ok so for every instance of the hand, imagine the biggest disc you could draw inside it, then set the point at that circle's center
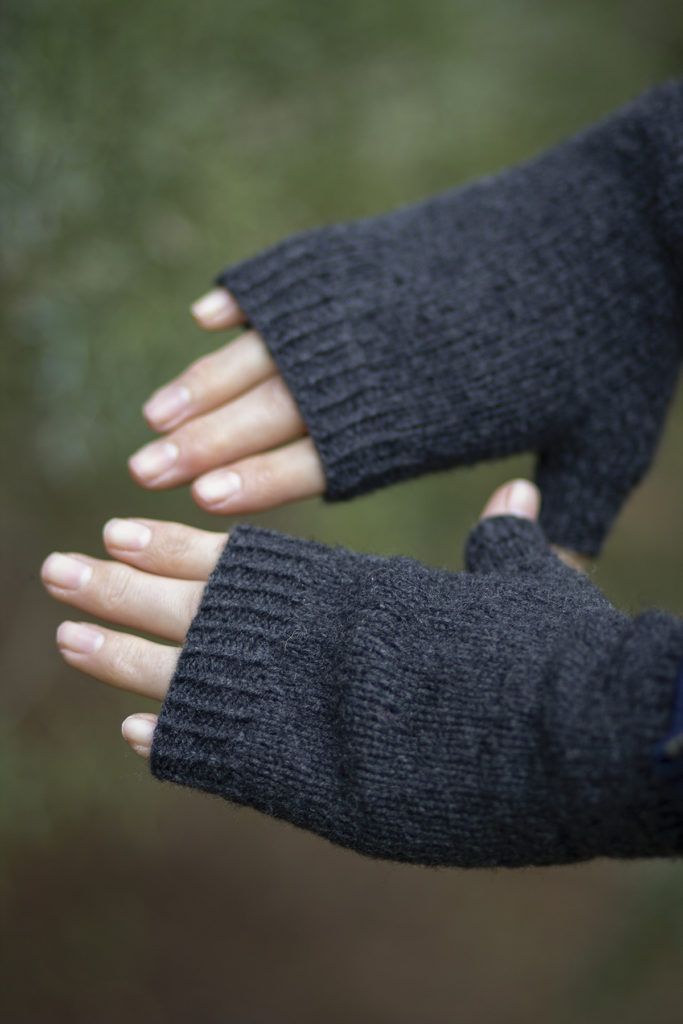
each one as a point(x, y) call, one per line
point(155, 584)
point(231, 426)
point(535, 310)
point(231, 404)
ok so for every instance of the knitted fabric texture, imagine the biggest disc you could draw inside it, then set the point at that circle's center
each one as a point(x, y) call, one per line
point(501, 716)
point(536, 310)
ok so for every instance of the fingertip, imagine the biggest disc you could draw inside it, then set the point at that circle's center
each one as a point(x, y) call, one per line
point(216, 310)
point(167, 407)
point(126, 535)
point(215, 490)
point(138, 732)
point(132, 471)
point(515, 498)
point(78, 638)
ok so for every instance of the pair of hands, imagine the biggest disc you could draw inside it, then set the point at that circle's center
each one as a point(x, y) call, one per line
point(232, 429)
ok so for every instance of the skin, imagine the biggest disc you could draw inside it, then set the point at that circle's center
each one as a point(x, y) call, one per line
point(153, 582)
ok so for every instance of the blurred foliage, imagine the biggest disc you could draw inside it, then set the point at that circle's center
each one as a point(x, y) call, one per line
point(144, 145)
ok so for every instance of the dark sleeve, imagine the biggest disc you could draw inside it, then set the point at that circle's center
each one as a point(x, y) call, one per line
point(494, 717)
point(536, 310)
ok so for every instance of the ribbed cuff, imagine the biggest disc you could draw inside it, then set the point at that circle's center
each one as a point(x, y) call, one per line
point(306, 298)
point(242, 716)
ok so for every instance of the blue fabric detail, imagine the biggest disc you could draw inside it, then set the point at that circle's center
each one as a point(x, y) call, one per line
point(669, 751)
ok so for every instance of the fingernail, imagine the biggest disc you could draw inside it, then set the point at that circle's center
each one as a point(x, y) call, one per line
point(65, 571)
point(167, 404)
point(522, 499)
point(81, 639)
point(154, 459)
point(217, 302)
point(218, 486)
point(127, 534)
point(138, 731)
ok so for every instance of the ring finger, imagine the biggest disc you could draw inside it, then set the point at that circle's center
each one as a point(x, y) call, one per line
point(124, 595)
point(291, 473)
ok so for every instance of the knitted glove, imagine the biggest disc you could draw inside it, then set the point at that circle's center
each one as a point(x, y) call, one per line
point(500, 716)
point(537, 310)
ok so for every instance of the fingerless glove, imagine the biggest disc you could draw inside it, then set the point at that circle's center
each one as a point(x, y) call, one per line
point(536, 310)
point(506, 715)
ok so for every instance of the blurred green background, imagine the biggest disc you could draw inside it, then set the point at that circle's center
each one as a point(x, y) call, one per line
point(145, 144)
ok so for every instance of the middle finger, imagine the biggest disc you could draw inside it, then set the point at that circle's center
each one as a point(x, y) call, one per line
point(210, 381)
point(119, 593)
point(261, 419)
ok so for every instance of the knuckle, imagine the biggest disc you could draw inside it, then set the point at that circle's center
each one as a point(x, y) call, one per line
point(278, 398)
point(125, 660)
point(192, 443)
point(250, 345)
point(116, 587)
point(265, 481)
point(198, 370)
point(172, 544)
point(191, 601)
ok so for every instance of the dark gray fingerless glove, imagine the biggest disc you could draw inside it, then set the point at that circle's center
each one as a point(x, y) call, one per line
point(502, 716)
point(537, 310)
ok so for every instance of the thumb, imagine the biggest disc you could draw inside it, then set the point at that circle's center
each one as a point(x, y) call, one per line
point(508, 537)
point(515, 498)
point(138, 732)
